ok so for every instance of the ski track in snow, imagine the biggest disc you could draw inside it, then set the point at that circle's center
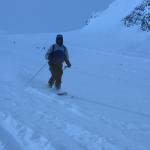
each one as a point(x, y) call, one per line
point(84, 138)
point(64, 129)
point(8, 140)
point(78, 134)
point(16, 136)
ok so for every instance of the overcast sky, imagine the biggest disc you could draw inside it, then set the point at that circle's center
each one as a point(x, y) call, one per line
point(41, 16)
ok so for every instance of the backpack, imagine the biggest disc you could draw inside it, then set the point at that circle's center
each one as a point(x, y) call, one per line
point(58, 56)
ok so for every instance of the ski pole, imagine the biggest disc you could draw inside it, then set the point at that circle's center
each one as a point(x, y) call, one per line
point(35, 75)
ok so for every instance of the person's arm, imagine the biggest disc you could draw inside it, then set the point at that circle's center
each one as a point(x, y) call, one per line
point(67, 58)
point(49, 52)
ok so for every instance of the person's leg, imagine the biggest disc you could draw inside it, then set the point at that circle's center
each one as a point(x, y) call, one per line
point(51, 81)
point(59, 73)
point(52, 78)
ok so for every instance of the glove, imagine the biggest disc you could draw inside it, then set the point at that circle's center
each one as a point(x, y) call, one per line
point(69, 65)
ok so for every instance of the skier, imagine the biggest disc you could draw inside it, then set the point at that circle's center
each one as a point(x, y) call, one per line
point(56, 55)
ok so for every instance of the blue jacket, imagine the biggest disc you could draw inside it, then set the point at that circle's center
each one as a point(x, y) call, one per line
point(57, 55)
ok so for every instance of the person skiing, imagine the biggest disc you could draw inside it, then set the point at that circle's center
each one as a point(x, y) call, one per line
point(56, 55)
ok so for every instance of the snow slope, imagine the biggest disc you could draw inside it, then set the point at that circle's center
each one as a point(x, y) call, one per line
point(108, 33)
point(108, 103)
point(111, 17)
point(110, 108)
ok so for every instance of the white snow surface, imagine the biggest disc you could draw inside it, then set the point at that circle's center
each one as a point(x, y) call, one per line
point(1, 146)
point(107, 107)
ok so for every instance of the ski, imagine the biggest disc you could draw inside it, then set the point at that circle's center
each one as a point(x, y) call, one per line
point(62, 93)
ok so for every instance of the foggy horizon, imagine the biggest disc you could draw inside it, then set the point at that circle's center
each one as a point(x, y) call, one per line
point(36, 16)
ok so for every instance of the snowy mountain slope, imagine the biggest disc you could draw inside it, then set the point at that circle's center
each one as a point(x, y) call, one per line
point(108, 33)
point(111, 17)
point(110, 108)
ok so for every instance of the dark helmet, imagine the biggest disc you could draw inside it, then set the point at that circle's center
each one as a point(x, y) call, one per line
point(59, 39)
